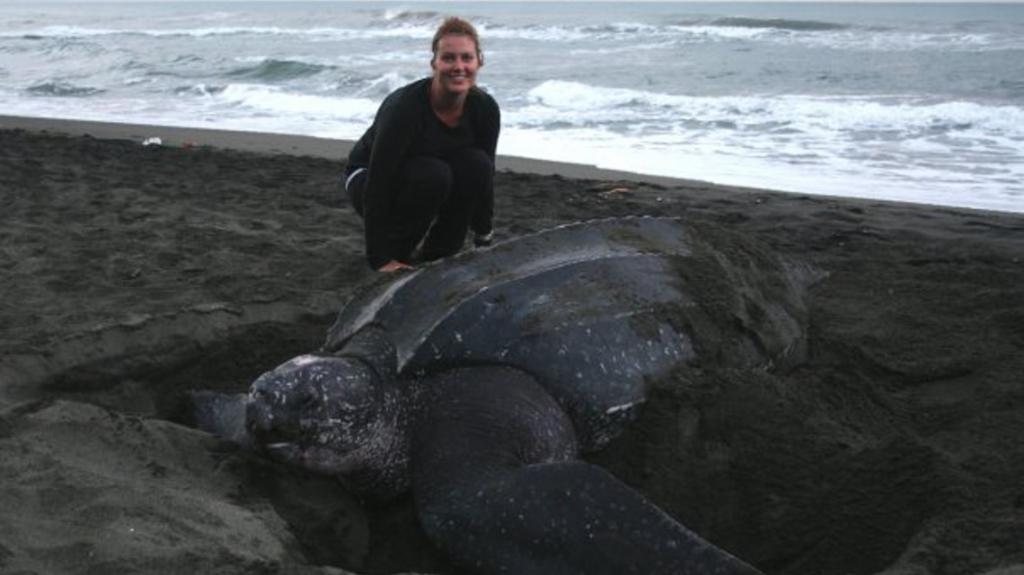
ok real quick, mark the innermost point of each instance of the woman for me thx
(424, 171)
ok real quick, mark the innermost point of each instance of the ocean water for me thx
(914, 102)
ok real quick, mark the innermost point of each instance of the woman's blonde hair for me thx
(455, 26)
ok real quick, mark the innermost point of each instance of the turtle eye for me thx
(309, 403)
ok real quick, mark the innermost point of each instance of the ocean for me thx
(913, 102)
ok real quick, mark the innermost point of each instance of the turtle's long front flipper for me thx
(498, 488)
(568, 518)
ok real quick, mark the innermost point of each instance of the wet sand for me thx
(133, 273)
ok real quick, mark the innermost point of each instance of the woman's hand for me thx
(394, 266)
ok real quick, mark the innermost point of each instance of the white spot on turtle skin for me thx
(302, 360)
(618, 408)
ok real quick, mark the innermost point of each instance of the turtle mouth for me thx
(278, 439)
(283, 439)
(285, 452)
(281, 447)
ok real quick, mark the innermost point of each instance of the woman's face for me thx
(455, 64)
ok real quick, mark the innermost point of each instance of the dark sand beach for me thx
(134, 273)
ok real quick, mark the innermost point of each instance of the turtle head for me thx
(329, 414)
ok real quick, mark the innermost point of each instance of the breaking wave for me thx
(63, 89)
(401, 15)
(272, 70)
(778, 24)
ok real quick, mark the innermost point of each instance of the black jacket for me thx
(405, 127)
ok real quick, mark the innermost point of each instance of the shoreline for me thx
(337, 150)
(275, 143)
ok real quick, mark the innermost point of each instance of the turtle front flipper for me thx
(498, 488)
(568, 518)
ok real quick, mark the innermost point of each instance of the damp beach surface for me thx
(132, 274)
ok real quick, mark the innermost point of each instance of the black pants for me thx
(436, 202)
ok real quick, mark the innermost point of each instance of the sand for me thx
(133, 273)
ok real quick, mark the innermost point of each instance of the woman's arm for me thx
(397, 125)
(488, 127)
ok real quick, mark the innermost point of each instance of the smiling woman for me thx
(422, 175)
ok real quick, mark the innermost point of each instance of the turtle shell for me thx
(594, 311)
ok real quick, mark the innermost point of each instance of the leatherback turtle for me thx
(477, 381)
